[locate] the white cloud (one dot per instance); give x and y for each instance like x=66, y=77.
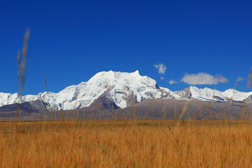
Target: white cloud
x=239, y=79
x=162, y=78
x=161, y=68
x=172, y=82
x=203, y=79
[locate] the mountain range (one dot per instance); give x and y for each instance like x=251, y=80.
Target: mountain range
x=109, y=89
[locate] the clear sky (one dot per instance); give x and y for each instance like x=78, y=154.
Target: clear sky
x=177, y=43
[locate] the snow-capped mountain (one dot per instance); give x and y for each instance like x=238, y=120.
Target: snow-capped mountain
x=119, y=89
x=124, y=89
x=207, y=94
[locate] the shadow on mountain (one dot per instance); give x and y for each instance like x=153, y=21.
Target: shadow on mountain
x=104, y=103
x=197, y=110
x=156, y=109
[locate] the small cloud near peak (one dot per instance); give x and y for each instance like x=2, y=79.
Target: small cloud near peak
x=161, y=68
x=172, y=82
x=203, y=79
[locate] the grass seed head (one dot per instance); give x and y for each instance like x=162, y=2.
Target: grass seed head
x=249, y=79
x=24, y=59
x=18, y=61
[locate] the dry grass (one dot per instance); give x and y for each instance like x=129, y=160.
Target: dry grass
x=126, y=144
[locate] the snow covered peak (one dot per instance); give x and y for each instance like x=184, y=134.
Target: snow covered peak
x=102, y=75
x=136, y=72
x=133, y=78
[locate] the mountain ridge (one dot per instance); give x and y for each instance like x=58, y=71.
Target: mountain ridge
x=120, y=89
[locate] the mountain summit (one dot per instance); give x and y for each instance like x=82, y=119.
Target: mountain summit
x=108, y=89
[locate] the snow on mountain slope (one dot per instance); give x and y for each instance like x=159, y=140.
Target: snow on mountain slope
x=123, y=88
x=236, y=95
x=126, y=88
x=207, y=94
x=7, y=98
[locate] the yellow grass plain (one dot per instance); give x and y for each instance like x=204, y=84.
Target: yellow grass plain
x=126, y=143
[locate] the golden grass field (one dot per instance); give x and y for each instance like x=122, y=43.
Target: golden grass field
x=126, y=143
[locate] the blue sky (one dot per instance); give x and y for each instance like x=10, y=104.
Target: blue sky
x=204, y=43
